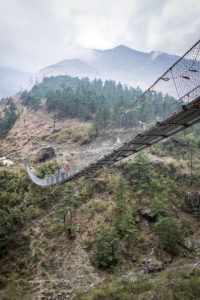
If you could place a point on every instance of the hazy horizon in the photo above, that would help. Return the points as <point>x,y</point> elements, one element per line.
<point>86,55</point>
<point>42,32</point>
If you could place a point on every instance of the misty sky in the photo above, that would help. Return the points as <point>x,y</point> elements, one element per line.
<point>36,33</point>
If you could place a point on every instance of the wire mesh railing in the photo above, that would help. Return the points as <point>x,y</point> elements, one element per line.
<point>178,86</point>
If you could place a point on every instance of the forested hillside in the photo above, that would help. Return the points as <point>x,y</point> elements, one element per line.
<point>131,221</point>
<point>97,101</point>
<point>7,117</point>
<point>130,231</point>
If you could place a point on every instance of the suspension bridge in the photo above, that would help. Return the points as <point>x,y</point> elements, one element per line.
<point>182,82</point>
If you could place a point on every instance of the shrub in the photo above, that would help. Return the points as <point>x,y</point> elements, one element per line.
<point>9,119</point>
<point>139,172</point>
<point>187,287</point>
<point>120,289</point>
<point>126,226</point>
<point>98,205</point>
<point>120,195</point>
<point>169,234</point>
<point>47,168</point>
<point>106,248</point>
<point>159,208</point>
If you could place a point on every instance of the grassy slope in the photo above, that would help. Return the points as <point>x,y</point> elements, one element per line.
<point>47,260</point>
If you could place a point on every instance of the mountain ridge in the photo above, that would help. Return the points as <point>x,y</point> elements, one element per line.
<point>121,63</point>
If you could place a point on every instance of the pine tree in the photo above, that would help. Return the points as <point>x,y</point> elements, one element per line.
<point>169,234</point>
<point>67,208</point>
<point>120,196</point>
<point>159,208</point>
<point>139,172</point>
<point>124,222</point>
<point>106,248</point>
<point>126,227</point>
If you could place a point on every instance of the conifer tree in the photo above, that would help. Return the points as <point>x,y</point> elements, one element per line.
<point>120,196</point>
<point>139,172</point>
<point>169,234</point>
<point>127,228</point>
<point>124,222</point>
<point>106,248</point>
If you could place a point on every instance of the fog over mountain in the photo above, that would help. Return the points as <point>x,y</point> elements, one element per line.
<point>120,64</point>
<point>12,81</point>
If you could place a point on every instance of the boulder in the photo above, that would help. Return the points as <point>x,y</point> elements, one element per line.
<point>45,153</point>
<point>188,244</point>
<point>195,268</point>
<point>138,219</point>
<point>153,265</point>
<point>196,246</point>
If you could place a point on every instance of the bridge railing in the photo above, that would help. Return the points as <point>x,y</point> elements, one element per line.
<point>178,86</point>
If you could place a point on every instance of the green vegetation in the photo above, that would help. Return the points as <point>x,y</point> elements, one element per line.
<point>116,289</point>
<point>159,208</point>
<point>176,285</point>
<point>149,182</point>
<point>127,210</point>
<point>21,201</point>
<point>67,208</point>
<point>97,101</point>
<point>48,168</point>
<point>187,286</point>
<point>9,118</point>
<point>30,100</point>
<point>119,238</point>
<point>183,146</point>
<point>124,222</point>
<point>139,172</point>
<point>141,186</point>
<point>106,248</point>
<point>169,233</point>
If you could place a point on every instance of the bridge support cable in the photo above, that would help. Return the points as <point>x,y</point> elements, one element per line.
<point>180,85</point>
<point>181,114</point>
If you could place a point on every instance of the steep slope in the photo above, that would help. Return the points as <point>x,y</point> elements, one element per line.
<point>49,263</point>
<point>66,254</point>
<point>35,130</point>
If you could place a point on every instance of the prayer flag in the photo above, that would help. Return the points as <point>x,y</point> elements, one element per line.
<point>186,77</point>
<point>193,70</point>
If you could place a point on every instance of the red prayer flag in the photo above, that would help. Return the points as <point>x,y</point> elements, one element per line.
<point>185,77</point>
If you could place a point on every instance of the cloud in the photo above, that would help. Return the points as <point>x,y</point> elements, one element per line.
<point>37,33</point>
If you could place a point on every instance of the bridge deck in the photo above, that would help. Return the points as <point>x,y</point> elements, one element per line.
<point>184,118</point>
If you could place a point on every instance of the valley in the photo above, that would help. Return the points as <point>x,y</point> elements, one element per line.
<point>106,239</point>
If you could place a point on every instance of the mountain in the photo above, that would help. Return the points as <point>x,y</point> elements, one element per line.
<point>12,81</point>
<point>71,67</point>
<point>120,64</point>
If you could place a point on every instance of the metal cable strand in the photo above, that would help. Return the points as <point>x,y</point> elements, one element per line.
<point>186,87</point>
